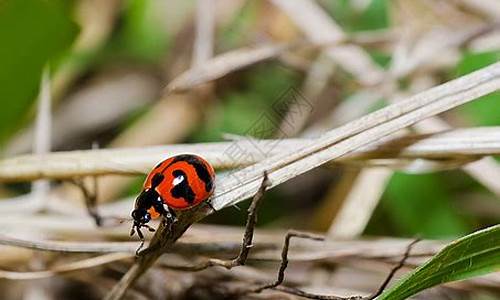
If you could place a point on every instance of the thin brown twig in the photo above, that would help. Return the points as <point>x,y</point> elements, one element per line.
<point>283,265</point>
<point>301,293</point>
<point>247,237</point>
<point>281,273</point>
<point>90,197</point>
<point>394,270</point>
<point>284,258</point>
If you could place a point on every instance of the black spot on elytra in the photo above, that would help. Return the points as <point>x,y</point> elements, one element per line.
<point>182,189</point>
<point>200,168</point>
<point>156,180</point>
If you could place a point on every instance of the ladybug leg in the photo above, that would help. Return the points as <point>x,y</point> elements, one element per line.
<point>168,214</point>
<point>169,218</point>
<point>141,237</point>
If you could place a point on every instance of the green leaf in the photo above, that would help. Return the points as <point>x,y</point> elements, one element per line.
<point>473,255</point>
<point>32,32</point>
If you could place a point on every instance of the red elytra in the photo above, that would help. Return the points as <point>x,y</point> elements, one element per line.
<point>183,193</point>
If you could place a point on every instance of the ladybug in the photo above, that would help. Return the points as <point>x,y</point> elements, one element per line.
<point>177,183</point>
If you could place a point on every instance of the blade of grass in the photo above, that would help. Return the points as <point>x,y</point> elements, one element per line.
<point>470,256</point>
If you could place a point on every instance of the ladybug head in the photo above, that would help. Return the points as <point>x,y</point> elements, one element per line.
<point>140,216</point>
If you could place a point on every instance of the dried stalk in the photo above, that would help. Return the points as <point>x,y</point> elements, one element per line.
<point>228,240</point>
<point>66,268</point>
<point>223,64</point>
<point>472,142</point>
<point>204,39</point>
<point>42,138</point>
<point>319,29</point>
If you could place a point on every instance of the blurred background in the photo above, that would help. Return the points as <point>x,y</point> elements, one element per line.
<point>118,73</point>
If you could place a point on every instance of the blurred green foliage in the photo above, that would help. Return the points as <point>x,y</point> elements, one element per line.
<point>422,205</point>
<point>140,35</point>
<point>250,104</point>
<point>345,13</point>
<point>32,33</point>
<point>235,33</point>
<point>486,110</point>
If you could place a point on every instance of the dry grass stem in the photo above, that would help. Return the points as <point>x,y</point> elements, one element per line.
<point>66,268</point>
<point>367,189</point>
<point>208,240</point>
<point>472,142</point>
<point>42,138</point>
<point>223,64</point>
<point>320,29</point>
<point>205,26</point>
